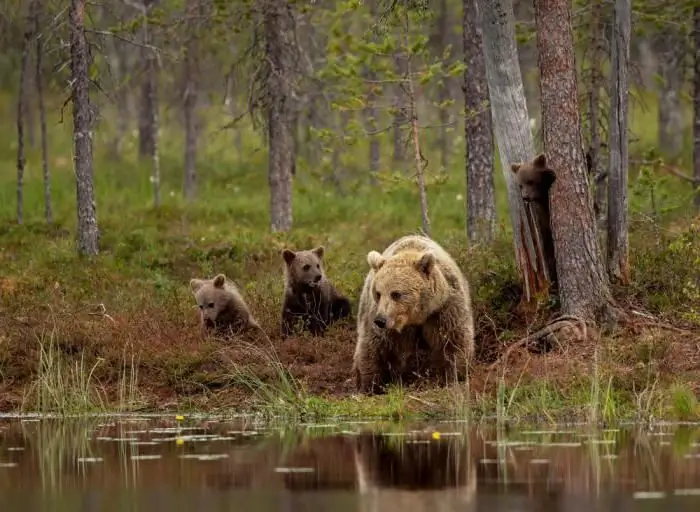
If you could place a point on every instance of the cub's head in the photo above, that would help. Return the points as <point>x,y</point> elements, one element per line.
<point>402,288</point>
<point>304,268</point>
<point>211,296</point>
<point>534,178</point>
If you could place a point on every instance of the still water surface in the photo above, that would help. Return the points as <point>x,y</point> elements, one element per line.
<point>162,464</point>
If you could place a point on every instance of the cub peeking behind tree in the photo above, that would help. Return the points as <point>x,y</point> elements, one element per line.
<point>310,300</point>
<point>535,180</point>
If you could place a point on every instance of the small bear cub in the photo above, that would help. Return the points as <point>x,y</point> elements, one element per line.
<point>221,306</point>
<point>310,300</point>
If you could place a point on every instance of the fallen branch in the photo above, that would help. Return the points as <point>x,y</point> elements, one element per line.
<point>667,168</point>
<point>546,332</point>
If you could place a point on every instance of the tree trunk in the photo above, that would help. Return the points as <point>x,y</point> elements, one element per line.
<point>512,126</point>
<point>696,109</point>
<point>618,246</point>
<point>443,92</point>
<point>88,233</point>
<point>278,29</point>
<point>596,79</point>
<point>583,288</point>
<point>370,111</point>
<point>191,84</point>
<point>669,94</point>
<point>48,208</point>
<point>21,117</point>
<point>119,64</point>
<point>146,113</point>
<point>478,133</point>
<point>399,115</point>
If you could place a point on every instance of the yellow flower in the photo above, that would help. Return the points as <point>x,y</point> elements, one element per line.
<point>179,417</point>
<point>436,435</point>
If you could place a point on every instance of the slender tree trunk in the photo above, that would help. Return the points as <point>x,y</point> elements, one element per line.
<point>119,63</point>
<point>618,245</point>
<point>21,109</point>
<point>278,28</point>
<point>28,103</point>
<point>583,288</point>
<point>371,111</point>
<point>512,128</point>
<point>48,208</point>
<point>596,78</point>
<point>399,115</point>
<point>88,233</point>
<point>191,81</point>
<point>146,113</point>
<point>696,109</point>
<point>443,92</point>
<point>669,93</point>
<point>478,133</point>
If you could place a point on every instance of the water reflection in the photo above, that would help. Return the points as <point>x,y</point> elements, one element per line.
<point>161,464</point>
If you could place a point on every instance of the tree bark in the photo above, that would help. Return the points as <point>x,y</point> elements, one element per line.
<point>279,24</point>
<point>596,79</point>
<point>370,111</point>
<point>88,233</point>
<point>146,113</point>
<point>583,289</point>
<point>38,79</point>
<point>21,116</point>
<point>478,133</point>
<point>512,128</point>
<point>696,108</point>
<point>399,115</point>
<point>669,94</point>
<point>618,245</point>
<point>190,96</point>
<point>443,92</point>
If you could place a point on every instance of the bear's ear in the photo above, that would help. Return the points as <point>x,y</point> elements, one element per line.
<point>515,168</point>
<point>219,281</point>
<point>318,251</point>
<point>540,161</point>
<point>288,256</point>
<point>195,285</point>
<point>375,260</point>
<point>426,263</point>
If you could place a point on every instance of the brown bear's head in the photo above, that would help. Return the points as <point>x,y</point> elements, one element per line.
<point>304,268</point>
<point>212,297</point>
<point>403,288</point>
<point>534,178</point>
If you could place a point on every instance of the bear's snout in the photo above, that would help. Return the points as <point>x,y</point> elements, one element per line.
<point>380,321</point>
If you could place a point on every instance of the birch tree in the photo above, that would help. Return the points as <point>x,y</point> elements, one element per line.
<point>583,288</point>
<point>88,234</point>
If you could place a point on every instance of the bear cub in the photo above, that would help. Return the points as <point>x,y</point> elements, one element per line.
<point>310,300</point>
<point>414,316</point>
<point>535,180</point>
<point>222,308</point>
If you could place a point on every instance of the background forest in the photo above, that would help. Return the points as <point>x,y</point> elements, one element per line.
<point>194,137</point>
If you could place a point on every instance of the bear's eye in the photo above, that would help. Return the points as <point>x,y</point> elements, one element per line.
<point>306,268</point>
<point>210,305</point>
<point>201,306</point>
<point>395,295</point>
<point>318,266</point>
<point>377,296</point>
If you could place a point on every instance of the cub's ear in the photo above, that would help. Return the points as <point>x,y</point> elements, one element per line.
<point>219,281</point>
<point>288,256</point>
<point>196,284</point>
<point>375,260</point>
<point>515,168</point>
<point>540,161</point>
<point>319,251</point>
<point>426,263</point>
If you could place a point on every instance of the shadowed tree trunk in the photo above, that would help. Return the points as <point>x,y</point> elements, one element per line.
<point>618,246</point>
<point>669,93</point>
<point>371,110</point>
<point>583,288</point>
<point>696,109</point>
<point>21,116</point>
<point>512,129</point>
<point>88,233</point>
<point>190,95</point>
<point>279,24</point>
<point>478,134</point>
<point>38,80</point>
<point>596,82</point>
<point>146,115</point>
<point>399,116</point>
<point>443,93</point>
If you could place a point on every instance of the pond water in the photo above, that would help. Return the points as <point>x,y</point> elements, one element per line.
<point>120,463</point>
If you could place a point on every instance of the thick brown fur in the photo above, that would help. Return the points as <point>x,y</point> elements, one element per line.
<point>310,300</point>
<point>535,180</point>
<point>414,317</point>
<point>222,308</point>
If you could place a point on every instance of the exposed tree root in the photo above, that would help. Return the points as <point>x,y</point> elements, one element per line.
<point>547,334</point>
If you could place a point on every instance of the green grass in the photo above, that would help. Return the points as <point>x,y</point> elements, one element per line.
<point>147,348</point>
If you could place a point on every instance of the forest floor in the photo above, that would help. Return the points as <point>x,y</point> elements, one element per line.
<point>121,332</point>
